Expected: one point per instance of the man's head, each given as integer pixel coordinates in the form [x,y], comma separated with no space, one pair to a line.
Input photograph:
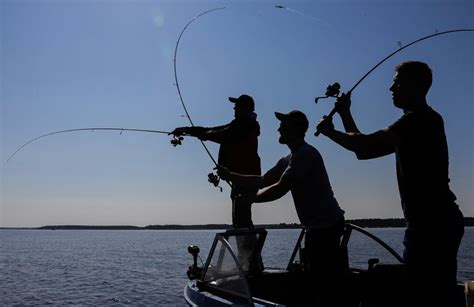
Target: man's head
[411,84]
[244,105]
[293,126]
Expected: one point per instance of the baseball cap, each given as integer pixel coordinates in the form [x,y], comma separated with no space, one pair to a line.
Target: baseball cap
[297,117]
[244,101]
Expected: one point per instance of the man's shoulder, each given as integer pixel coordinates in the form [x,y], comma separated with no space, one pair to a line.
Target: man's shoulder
[424,116]
[283,162]
[434,115]
[308,148]
[247,126]
[307,152]
[413,123]
[244,121]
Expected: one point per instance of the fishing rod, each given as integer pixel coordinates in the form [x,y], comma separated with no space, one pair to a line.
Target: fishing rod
[174,141]
[212,178]
[333,90]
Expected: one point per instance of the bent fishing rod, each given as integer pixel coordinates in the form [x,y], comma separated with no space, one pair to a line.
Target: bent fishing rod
[212,178]
[174,141]
[333,90]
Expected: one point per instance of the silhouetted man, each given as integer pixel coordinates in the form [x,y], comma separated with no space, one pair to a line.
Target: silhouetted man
[238,151]
[303,173]
[434,221]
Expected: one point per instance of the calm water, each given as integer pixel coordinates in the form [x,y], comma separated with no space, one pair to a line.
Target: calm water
[43,267]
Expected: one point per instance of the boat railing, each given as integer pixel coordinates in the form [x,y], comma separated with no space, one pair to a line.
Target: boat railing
[349,228]
[296,250]
[347,234]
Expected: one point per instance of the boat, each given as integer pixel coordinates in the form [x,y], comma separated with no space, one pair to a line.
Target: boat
[232,276]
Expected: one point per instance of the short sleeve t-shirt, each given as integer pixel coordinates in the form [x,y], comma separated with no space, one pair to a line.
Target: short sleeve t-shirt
[422,166]
[311,190]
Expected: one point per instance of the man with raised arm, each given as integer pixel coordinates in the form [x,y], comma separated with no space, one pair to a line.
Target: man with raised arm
[238,151]
[434,222]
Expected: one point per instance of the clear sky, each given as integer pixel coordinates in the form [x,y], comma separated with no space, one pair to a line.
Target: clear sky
[100,63]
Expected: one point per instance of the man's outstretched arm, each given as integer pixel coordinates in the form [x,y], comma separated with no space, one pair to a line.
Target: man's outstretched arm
[277,184]
[365,146]
[274,192]
[195,131]
[254,182]
[277,187]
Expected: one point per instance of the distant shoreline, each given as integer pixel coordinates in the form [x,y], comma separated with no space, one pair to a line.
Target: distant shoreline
[366,223]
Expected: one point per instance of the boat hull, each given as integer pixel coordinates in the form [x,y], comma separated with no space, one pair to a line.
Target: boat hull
[196,297]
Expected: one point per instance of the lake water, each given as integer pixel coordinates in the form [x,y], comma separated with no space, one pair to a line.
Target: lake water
[140,267]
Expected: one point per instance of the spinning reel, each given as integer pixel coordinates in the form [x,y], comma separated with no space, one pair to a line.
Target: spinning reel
[214,179]
[332,90]
[177,140]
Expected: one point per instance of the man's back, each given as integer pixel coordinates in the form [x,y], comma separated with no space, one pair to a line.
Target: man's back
[311,190]
[422,166]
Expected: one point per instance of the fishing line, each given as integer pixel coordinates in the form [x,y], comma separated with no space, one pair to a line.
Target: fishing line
[320,20]
[333,90]
[86,129]
[406,46]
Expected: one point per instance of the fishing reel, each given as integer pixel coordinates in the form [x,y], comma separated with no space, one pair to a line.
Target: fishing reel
[214,179]
[332,90]
[177,140]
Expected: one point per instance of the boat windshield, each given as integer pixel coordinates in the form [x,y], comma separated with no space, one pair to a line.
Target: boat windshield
[234,255]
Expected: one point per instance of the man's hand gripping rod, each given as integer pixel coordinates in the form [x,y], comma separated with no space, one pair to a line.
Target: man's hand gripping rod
[332,90]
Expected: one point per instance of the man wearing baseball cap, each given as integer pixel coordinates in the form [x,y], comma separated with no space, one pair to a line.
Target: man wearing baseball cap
[238,151]
[303,173]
